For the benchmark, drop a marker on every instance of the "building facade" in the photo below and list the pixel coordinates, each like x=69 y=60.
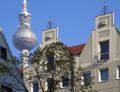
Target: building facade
x=5 y=54
x=100 y=56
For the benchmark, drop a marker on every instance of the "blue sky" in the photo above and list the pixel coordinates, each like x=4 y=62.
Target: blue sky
x=74 y=18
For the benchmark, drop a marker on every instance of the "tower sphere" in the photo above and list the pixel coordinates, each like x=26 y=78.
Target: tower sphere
x=24 y=39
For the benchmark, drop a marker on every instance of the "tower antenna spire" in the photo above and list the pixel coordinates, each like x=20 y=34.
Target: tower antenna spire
x=105 y=8
x=24 y=5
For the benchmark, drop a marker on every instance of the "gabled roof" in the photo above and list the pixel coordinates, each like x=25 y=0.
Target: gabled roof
x=77 y=49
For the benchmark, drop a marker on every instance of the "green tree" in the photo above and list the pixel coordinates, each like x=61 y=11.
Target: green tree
x=51 y=63
x=54 y=62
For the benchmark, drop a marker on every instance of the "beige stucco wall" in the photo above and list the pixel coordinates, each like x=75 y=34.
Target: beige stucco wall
x=92 y=49
x=117 y=44
x=86 y=55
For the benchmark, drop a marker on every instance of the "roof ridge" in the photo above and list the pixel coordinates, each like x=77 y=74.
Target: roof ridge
x=77 y=45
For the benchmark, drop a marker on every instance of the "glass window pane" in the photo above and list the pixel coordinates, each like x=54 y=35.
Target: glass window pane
x=104 y=74
x=65 y=81
x=50 y=83
x=104 y=50
x=5 y=89
x=50 y=59
x=35 y=87
x=3 y=53
x=87 y=77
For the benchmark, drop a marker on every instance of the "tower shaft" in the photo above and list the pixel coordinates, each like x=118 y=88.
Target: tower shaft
x=24 y=58
x=24 y=39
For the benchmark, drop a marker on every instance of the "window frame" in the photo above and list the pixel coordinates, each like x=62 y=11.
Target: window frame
x=104 y=55
x=33 y=86
x=6 y=88
x=101 y=75
x=61 y=83
x=65 y=82
x=88 y=81
x=3 y=53
x=50 y=63
x=118 y=72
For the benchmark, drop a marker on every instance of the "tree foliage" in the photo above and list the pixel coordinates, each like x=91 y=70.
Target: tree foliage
x=58 y=67
x=63 y=65
x=49 y=64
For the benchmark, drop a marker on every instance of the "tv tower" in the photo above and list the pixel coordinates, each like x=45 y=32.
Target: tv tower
x=24 y=39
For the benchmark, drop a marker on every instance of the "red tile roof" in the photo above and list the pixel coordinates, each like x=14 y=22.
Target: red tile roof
x=76 y=50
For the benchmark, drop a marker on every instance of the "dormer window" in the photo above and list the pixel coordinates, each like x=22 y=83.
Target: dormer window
x=104 y=50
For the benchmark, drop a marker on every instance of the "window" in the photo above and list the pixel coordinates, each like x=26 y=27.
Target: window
x=5 y=89
x=35 y=87
x=87 y=78
x=65 y=81
x=103 y=75
x=104 y=50
x=118 y=72
x=50 y=59
x=50 y=83
x=3 y=53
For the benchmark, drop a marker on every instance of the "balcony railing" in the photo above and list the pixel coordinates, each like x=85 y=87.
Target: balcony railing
x=104 y=56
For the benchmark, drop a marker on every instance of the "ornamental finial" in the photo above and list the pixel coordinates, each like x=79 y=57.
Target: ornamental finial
x=105 y=8
x=50 y=23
